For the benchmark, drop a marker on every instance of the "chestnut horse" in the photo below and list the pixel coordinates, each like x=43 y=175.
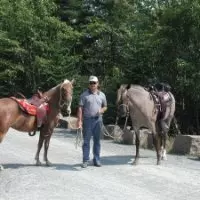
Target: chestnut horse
x=11 y=115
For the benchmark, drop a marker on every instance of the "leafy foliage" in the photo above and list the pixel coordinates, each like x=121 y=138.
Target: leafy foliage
x=45 y=41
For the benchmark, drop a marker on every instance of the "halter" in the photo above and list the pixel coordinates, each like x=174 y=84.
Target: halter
x=127 y=113
x=60 y=99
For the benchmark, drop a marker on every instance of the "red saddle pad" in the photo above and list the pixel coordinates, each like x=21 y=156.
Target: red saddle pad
x=27 y=107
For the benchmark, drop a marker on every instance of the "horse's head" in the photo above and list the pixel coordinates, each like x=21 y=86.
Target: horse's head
x=122 y=100
x=66 y=92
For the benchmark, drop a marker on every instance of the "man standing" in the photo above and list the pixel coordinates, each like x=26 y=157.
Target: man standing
x=92 y=105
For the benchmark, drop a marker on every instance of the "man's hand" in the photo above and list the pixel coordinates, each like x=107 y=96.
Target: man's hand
x=102 y=110
x=79 y=124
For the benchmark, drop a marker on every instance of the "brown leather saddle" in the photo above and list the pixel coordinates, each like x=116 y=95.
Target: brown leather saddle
x=161 y=100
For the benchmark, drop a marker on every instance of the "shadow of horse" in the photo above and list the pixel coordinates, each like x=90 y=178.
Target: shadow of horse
x=64 y=133
x=194 y=158
x=118 y=160
x=57 y=166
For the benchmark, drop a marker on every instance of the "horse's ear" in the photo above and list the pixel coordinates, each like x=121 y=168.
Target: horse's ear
x=128 y=86
x=72 y=81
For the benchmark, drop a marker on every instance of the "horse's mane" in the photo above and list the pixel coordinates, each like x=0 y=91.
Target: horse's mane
x=52 y=90
x=66 y=81
x=127 y=86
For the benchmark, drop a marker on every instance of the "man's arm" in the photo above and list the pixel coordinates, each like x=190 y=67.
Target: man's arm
x=80 y=117
x=104 y=105
x=80 y=112
x=103 y=109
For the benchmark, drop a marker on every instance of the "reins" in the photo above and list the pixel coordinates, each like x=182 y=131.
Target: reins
x=79 y=133
x=106 y=132
x=60 y=99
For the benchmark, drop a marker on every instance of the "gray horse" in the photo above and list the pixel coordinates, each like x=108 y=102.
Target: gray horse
x=136 y=101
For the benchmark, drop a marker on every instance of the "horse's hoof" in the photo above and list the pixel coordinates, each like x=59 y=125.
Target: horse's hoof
x=158 y=162
x=48 y=163
x=1 y=168
x=164 y=158
x=135 y=162
x=38 y=163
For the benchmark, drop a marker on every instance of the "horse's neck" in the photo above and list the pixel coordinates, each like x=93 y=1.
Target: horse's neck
x=54 y=97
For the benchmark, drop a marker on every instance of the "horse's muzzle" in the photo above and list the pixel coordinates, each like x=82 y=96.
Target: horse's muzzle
x=122 y=110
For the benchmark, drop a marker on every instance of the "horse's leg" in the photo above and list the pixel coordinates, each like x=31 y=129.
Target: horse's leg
x=46 y=147
x=165 y=129
x=156 y=142
x=47 y=136
x=160 y=132
x=163 y=147
x=1 y=139
x=1 y=136
x=40 y=143
x=137 y=143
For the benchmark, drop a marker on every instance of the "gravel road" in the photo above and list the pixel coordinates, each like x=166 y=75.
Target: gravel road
x=177 y=178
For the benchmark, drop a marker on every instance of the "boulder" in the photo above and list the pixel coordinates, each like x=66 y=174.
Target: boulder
x=128 y=136
x=62 y=123
x=187 y=144
x=67 y=122
x=112 y=131
x=146 y=140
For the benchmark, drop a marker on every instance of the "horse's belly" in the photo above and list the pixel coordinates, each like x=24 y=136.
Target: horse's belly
x=25 y=123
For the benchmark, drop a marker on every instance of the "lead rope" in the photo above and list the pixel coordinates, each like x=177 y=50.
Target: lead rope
x=79 y=134
x=106 y=132
x=79 y=138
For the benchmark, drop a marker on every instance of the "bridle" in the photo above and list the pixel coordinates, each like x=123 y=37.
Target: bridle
x=106 y=132
x=61 y=101
x=127 y=111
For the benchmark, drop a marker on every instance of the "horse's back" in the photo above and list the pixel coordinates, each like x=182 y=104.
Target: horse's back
x=12 y=116
x=140 y=96
x=7 y=105
x=8 y=113
x=142 y=106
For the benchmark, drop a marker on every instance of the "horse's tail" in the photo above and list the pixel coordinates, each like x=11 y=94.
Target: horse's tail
x=32 y=134
x=176 y=126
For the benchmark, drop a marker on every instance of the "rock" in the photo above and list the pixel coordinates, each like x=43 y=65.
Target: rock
x=128 y=136
x=146 y=140
x=72 y=122
x=68 y=122
x=62 y=123
x=112 y=132
x=187 y=144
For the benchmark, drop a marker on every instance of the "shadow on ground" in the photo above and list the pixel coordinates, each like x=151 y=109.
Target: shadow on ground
x=64 y=133
x=194 y=158
x=119 y=160
x=57 y=166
